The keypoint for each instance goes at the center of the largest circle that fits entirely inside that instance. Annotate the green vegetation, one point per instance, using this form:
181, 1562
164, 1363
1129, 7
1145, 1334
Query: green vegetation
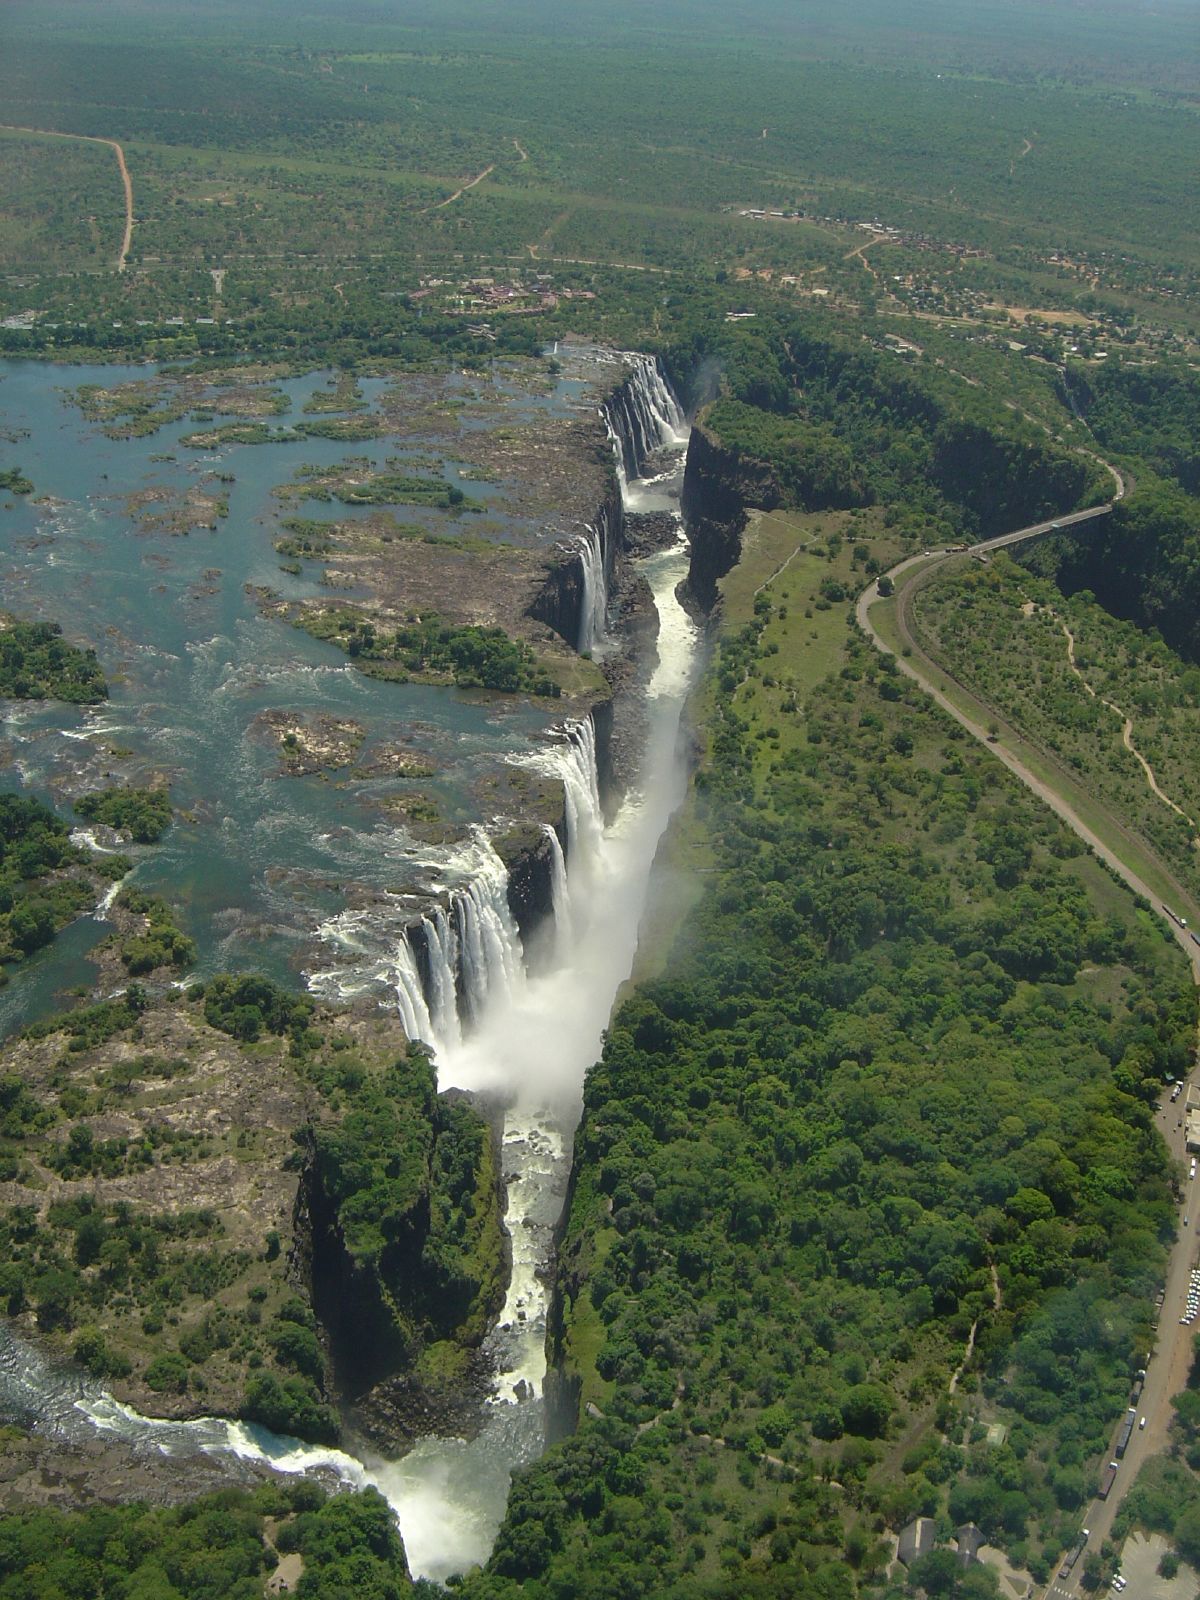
161, 944
39, 891
1009, 637
832, 423
427, 647
258, 1096
14, 481
246, 1007
145, 814
796, 1193
37, 664
313, 539
224, 1544
350, 429
419, 1256
1166, 1496
1150, 413
882, 1107
324, 159
354, 484
1140, 563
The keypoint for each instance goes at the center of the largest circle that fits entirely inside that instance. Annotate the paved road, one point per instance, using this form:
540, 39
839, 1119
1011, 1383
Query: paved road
1170, 1361
1073, 519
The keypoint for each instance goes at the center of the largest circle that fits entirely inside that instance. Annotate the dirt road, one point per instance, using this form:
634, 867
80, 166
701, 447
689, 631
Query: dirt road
458, 193
126, 181
1170, 1361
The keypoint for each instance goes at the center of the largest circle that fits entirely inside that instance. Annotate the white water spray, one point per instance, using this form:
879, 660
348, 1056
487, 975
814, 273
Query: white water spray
441, 945
593, 606
560, 896
488, 940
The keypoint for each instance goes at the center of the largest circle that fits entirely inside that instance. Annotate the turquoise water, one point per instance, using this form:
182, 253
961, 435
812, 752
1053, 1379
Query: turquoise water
257, 861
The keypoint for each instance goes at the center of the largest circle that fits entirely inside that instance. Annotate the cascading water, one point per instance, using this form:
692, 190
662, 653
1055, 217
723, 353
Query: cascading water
461, 960
489, 944
593, 606
441, 949
410, 994
533, 1039
642, 417
560, 897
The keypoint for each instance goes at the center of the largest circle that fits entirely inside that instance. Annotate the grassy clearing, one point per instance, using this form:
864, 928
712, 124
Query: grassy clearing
1127, 849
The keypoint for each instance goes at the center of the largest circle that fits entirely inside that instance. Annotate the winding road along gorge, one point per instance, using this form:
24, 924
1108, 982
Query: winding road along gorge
886, 621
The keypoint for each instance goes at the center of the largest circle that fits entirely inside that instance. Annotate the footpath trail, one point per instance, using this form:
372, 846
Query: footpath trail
126, 180
1168, 1365
1126, 728
458, 193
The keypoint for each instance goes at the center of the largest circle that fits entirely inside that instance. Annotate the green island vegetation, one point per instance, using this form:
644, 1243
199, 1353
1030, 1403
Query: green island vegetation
45, 880
194, 1306
343, 394
145, 814
795, 1195
313, 539
228, 1544
350, 429
354, 484
14, 481
160, 943
36, 663
436, 651
1010, 638
139, 408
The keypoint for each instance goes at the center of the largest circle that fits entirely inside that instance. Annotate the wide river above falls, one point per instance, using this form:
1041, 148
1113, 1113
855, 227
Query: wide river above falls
261, 863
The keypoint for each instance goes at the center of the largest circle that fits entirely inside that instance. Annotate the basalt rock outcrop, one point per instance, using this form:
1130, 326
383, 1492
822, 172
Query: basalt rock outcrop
718, 486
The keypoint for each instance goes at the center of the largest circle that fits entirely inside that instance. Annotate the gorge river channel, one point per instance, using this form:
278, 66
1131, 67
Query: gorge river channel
526, 1046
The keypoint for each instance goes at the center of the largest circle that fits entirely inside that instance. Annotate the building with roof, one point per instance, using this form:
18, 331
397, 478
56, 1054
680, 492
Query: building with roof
968, 1538
1191, 1118
917, 1539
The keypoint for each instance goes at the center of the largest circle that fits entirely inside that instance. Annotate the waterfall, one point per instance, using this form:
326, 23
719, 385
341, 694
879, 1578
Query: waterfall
560, 899
531, 1044
410, 994
642, 417
441, 948
572, 760
445, 969
593, 609
581, 793
492, 961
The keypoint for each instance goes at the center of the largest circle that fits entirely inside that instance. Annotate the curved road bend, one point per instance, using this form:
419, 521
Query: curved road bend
126, 181
1170, 1361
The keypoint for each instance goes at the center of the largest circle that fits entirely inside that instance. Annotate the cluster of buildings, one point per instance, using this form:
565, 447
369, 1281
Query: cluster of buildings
514, 296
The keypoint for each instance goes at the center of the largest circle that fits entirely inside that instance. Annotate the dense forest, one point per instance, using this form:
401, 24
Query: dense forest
795, 1194
227, 1544
840, 424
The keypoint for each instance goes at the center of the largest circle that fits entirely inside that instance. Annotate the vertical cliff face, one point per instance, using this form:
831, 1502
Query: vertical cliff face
399, 1211
718, 486
579, 579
